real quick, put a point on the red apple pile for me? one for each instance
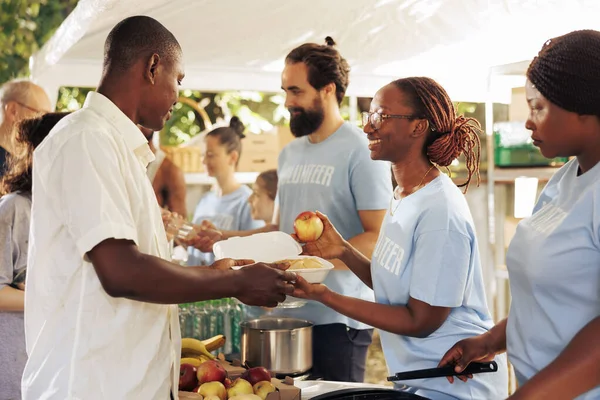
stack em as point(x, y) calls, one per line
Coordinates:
point(211, 381)
point(308, 226)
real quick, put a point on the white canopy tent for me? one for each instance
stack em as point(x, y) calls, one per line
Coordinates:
point(240, 44)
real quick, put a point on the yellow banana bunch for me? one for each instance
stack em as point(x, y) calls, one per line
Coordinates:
point(194, 348)
point(191, 360)
point(214, 342)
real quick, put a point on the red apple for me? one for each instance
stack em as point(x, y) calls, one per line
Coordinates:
point(263, 388)
point(227, 383)
point(213, 390)
point(187, 377)
point(256, 374)
point(211, 371)
point(308, 226)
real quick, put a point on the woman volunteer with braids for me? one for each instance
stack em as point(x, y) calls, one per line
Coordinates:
point(425, 270)
point(552, 335)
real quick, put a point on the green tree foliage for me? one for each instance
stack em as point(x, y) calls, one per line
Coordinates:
point(24, 27)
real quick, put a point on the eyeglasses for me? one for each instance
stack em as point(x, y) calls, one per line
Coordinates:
point(376, 119)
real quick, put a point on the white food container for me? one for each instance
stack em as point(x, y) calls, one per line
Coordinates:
point(269, 247)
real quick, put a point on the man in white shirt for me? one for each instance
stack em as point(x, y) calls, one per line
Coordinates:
point(100, 314)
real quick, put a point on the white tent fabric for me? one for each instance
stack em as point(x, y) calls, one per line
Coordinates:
point(240, 44)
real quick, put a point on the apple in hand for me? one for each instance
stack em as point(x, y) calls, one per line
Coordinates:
point(263, 388)
point(256, 374)
point(239, 386)
point(215, 388)
point(308, 226)
point(187, 377)
point(211, 371)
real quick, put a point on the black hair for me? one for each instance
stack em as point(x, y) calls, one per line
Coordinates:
point(136, 38)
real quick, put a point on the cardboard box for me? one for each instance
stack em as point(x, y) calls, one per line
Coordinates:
point(233, 371)
point(267, 142)
point(257, 162)
point(284, 391)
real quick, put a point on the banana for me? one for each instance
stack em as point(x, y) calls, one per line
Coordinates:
point(214, 342)
point(191, 347)
point(193, 361)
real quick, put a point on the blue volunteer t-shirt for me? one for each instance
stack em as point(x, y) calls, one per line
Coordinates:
point(229, 212)
point(428, 251)
point(553, 263)
point(338, 178)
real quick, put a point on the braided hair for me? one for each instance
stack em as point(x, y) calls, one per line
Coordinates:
point(450, 135)
point(566, 72)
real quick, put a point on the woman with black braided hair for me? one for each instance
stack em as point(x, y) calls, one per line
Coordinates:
point(552, 334)
point(425, 269)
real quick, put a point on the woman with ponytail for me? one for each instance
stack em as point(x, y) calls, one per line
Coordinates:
point(425, 270)
point(226, 208)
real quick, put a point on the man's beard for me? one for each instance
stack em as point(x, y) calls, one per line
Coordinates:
point(308, 121)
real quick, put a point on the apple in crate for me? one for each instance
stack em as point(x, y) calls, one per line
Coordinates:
point(213, 389)
point(239, 386)
point(187, 377)
point(308, 226)
point(211, 371)
point(256, 374)
point(263, 388)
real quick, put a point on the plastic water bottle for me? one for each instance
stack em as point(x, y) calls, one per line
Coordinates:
point(200, 320)
point(186, 320)
point(236, 328)
point(227, 311)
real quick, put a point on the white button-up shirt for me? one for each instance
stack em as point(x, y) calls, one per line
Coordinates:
point(89, 185)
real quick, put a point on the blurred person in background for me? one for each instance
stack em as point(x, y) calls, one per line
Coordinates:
point(19, 99)
point(262, 199)
point(226, 207)
point(15, 215)
point(168, 181)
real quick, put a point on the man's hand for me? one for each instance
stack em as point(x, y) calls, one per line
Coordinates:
point(265, 285)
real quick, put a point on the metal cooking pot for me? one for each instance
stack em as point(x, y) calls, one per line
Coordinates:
point(281, 345)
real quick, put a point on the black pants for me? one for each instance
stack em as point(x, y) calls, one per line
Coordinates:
point(340, 353)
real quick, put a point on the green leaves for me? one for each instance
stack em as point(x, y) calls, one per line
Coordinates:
point(24, 28)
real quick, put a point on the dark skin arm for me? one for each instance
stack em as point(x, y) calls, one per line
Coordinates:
point(416, 319)
point(125, 272)
point(481, 348)
point(174, 181)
